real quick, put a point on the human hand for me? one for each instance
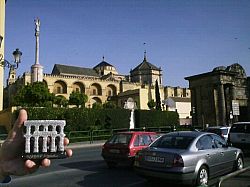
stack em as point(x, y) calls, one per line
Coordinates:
point(11, 161)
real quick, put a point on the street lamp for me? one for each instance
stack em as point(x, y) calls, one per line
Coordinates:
point(17, 59)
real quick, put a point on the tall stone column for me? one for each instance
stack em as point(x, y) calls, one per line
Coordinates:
point(221, 104)
point(37, 69)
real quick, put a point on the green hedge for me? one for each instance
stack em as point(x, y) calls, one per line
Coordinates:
point(156, 118)
point(81, 119)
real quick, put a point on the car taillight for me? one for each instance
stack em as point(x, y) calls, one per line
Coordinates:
point(178, 161)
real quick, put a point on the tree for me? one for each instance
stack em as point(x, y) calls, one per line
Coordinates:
point(60, 100)
point(151, 104)
point(109, 105)
point(97, 105)
point(157, 96)
point(36, 94)
point(78, 99)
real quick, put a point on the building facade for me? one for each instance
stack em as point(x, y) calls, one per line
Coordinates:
point(100, 84)
point(2, 37)
point(220, 97)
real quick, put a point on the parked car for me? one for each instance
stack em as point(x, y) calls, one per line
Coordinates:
point(222, 131)
point(188, 157)
point(239, 135)
point(122, 147)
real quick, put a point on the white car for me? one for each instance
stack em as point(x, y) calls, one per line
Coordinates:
point(239, 135)
point(222, 131)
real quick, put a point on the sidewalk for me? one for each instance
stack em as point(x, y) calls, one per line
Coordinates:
point(86, 144)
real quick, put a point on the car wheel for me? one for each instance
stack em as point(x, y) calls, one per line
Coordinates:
point(202, 177)
point(111, 164)
point(239, 163)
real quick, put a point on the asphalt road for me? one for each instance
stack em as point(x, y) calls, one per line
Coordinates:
point(87, 168)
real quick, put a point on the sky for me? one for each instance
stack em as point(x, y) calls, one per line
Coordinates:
point(182, 37)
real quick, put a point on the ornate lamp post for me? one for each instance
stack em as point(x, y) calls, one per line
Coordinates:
point(11, 65)
point(17, 59)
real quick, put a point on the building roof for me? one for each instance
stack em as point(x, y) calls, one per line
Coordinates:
point(145, 65)
point(103, 63)
point(232, 70)
point(60, 69)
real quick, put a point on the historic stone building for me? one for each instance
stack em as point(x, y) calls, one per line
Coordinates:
point(220, 97)
point(100, 83)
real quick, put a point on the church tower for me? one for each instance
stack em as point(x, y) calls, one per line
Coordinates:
point(12, 76)
point(146, 73)
point(37, 69)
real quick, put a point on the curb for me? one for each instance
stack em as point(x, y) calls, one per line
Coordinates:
point(228, 176)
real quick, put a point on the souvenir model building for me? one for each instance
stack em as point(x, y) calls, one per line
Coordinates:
point(44, 139)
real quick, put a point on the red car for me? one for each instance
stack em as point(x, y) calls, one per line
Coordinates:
point(122, 147)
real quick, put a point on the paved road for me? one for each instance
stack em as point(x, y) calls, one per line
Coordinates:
point(87, 168)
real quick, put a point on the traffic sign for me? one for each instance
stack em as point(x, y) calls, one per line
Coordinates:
point(235, 107)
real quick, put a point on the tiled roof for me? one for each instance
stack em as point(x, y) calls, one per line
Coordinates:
point(145, 65)
point(103, 63)
point(60, 69)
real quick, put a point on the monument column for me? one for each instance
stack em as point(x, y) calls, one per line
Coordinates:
point(37, 69)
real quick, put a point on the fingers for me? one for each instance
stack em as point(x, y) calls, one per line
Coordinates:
point(45, 162)
point(69, 152)
point(31, 166)
point(22, 117)
point(66, 141)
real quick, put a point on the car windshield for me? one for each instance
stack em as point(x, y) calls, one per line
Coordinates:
point(120, 138)
point(173, 142)
point(240, 128)
point(216, 131)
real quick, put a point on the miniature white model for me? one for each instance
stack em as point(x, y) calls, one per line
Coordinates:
point(48, 134)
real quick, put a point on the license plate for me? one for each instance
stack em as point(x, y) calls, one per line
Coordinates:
point(114, 151)
point(154, 159)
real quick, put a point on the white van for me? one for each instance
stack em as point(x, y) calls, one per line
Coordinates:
point(239, 135)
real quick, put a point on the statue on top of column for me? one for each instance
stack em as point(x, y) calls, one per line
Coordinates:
point(37, 23)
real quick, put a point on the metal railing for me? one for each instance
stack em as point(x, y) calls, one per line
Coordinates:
point(93, 135)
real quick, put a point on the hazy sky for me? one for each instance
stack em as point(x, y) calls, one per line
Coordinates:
point(183, 37)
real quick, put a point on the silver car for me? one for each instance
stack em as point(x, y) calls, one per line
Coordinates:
point(188, 157)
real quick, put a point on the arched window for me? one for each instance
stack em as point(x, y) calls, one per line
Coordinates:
point(60, 87)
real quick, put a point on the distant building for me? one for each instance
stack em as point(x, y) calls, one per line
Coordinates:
point(103, 83)
point(182, 105)
point(221, 96)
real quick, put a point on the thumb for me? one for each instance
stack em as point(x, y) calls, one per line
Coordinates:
point(22, 117)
